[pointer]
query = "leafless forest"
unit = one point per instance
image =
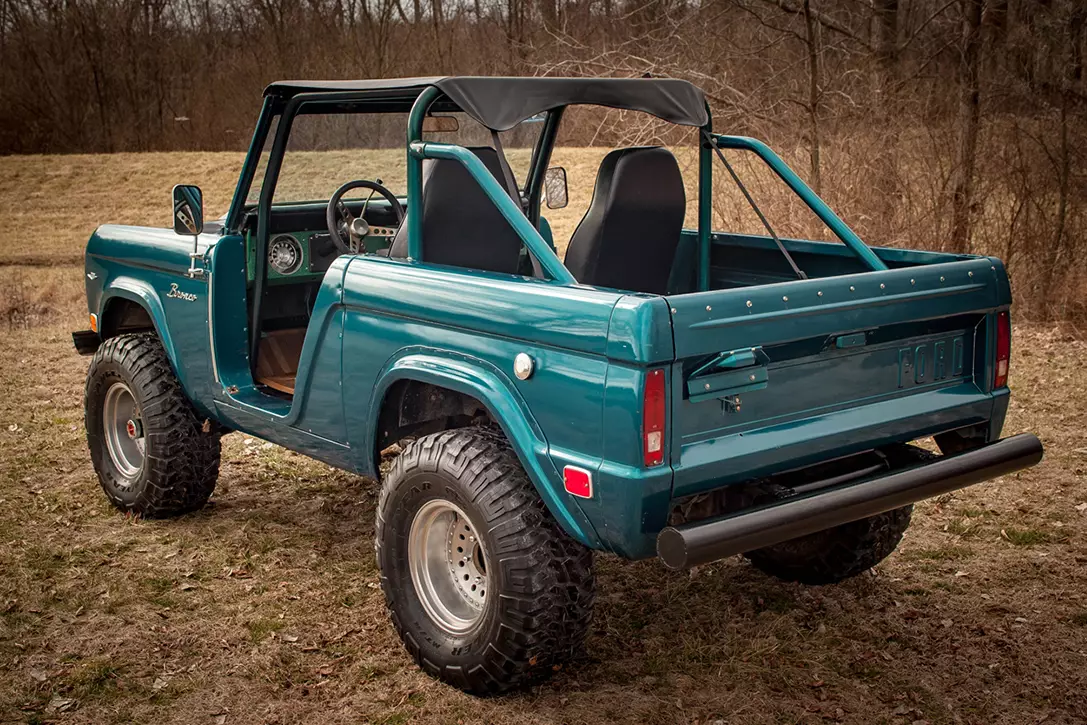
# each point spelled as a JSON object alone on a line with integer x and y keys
{"x": 951, "y": 124}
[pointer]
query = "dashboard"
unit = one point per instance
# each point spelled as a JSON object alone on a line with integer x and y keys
{"x": 300, "y": 248}
{"x": 304, "y": 255}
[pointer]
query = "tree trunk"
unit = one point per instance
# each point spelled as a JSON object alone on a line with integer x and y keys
{"x": 549, "y": 13}
{"x": 886, "y": 12}
{"x": 969, "y": 121}
{"x": 885, "y": 189}
{"x": 812, "y": 39}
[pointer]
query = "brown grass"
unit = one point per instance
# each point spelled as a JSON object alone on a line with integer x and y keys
{"x": 265, "y": 607}
{"x": 51, "y": 204}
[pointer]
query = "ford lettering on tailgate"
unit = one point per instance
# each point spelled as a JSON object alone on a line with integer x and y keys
{"x": 931, "y": 361}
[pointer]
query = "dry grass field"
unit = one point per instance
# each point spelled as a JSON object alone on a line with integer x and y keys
{"x": 265, "y": 607}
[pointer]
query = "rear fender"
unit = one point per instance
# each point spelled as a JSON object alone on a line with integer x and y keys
{"x": 485, "y": 383}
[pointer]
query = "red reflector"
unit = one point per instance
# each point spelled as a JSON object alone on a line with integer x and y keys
{"x": 1003, "y": 349}
{"x": 653, "y": 419}
{"x": 577, "y": 481}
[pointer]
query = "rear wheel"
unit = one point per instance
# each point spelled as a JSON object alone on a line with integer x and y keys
{"x": 831, "y": 556}
{"x": 482, "y": 586}
{"x": 153, "y": 454}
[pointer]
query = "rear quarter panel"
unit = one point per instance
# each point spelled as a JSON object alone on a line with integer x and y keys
{"x": 403, "y": 319}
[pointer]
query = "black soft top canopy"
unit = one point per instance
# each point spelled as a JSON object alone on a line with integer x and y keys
{"x": 501, "y": 103}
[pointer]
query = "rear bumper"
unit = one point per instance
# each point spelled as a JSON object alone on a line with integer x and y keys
{"x": 705, "y": 541}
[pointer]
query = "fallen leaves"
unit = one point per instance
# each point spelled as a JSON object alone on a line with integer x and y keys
{"x": 60, "y": 704}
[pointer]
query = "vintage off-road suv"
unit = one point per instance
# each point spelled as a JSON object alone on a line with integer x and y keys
{"x": 684, "y": 393}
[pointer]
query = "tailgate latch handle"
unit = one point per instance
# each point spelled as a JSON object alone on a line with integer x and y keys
{"x": 745, "y": 357}
{"x": 729, "y": 373}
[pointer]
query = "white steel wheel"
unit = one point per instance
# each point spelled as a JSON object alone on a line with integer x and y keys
{"x": 123, "y": 428}
{"x": 448, "y": 566}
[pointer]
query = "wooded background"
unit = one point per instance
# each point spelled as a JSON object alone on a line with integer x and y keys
{"x": 942, "y": 124}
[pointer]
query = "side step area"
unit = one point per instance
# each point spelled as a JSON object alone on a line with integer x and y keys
{"x": 705, "y": 541}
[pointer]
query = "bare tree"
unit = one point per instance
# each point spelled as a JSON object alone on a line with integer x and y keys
{"x": 953, "y": 123}
{"x": 969, "y": 121}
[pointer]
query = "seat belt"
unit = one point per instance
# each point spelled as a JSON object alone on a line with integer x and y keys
{"x": 507, "y": 172}
{"x": 511, "y": 189}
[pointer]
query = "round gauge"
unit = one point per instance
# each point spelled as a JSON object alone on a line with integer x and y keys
{"x": 285, "y": 254}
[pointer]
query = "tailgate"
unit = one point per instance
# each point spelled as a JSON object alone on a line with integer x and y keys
{"x": 774, "y": 377}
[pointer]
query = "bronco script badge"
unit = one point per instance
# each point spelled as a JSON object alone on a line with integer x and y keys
{"x": 179, "y": 295}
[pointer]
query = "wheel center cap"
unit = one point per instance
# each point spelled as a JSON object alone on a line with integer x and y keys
{"x": 134, "y": 429}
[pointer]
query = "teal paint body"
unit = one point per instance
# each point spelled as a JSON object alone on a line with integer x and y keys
{"x": 377, "y": 321}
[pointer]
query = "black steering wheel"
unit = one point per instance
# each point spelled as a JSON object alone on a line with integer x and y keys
{"x": 347, "y": 231}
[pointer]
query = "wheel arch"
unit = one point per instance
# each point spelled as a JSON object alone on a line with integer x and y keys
{"x": 461, "y": 381}
{"x": 130, "y": 305}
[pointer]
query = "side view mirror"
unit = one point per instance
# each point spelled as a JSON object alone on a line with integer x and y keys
{"x": 555, "y": 191}
{"x": 188, "y": 210}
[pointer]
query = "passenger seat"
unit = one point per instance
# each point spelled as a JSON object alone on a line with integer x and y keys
{"x": 629, "y": 236}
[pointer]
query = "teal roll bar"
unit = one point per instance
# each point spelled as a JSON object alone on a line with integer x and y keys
{"x": 705, "y": 208}
{"x": 419, "y": 150}
{"x": 415, "y": 170}
{"x": 817, "y": 205}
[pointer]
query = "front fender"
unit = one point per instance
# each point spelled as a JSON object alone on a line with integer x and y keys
{"x": 187, "y": 354}
{"x": 488, "y": 385}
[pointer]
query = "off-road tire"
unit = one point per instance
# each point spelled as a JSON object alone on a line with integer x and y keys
{"x": 831, "y": 556}
{"x": 541, "y": 579}
{"x": 181, "y": 456}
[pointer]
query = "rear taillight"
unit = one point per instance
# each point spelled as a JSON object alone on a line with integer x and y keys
{"x": 653, "y": 419}
{"x": 1003, "y": 349}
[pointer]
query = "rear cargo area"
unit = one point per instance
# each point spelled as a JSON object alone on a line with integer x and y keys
{"x": 774, "y": 372}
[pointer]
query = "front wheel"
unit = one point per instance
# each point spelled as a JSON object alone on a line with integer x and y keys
{"x": 153, "y": 455}
{"x": 482, "y": 586}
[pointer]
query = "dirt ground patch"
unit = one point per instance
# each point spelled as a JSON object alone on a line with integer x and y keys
{"x": 265, "y": 606}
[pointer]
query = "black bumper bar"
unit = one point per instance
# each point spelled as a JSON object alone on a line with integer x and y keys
{"x": 86, "y": 342}
{"x": 705, "y": 541}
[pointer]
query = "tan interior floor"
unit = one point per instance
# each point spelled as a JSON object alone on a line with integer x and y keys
{"x": 277, "y": 359}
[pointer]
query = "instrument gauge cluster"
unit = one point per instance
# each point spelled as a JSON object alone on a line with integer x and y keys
{"x": 285, "y": 254}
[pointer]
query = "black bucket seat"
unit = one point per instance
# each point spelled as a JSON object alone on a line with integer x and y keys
{"x": 628, "y": 237}
{"x": 461, "y": 226}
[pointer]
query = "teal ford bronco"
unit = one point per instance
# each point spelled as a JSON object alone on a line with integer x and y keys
{"x": 661, "y": 391}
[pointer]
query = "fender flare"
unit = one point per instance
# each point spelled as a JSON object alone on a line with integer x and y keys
{"x": 488, "y": 385}
{"x": 143, "y": 294}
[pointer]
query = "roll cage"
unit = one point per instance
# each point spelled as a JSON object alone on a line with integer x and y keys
{"x": 500, "y": 104}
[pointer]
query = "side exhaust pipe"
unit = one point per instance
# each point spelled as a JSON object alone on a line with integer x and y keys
{"x": 698, "y": 543}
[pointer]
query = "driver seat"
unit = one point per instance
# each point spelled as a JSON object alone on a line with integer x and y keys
{"x": 461, "y": 226}
{"x": 629, "y": 236}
